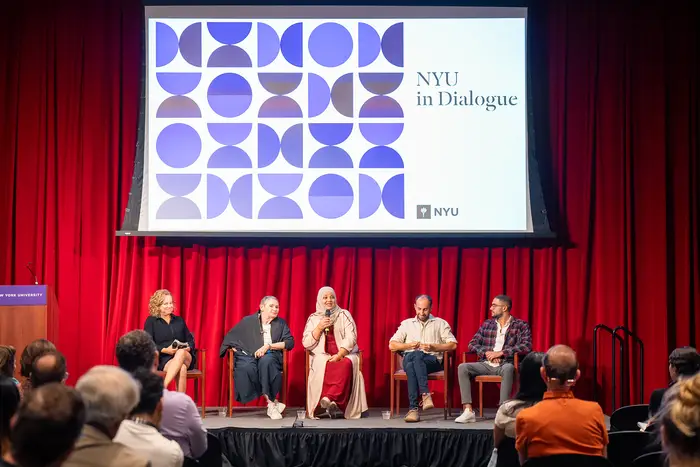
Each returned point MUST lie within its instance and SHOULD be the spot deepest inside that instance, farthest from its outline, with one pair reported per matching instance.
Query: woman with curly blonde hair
(173, 340)
(680, 423)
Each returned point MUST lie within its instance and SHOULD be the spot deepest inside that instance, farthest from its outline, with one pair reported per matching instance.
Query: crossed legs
(177, 368)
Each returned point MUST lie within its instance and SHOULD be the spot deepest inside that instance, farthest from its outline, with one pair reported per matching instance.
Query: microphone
(328, 315)
(28, 265)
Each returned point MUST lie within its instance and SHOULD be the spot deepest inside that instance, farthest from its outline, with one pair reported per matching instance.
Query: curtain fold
(616, 98)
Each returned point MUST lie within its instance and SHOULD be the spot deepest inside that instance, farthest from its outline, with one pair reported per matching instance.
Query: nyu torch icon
(423, 211)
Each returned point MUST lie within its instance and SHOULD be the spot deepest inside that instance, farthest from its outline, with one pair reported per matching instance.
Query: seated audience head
(680, 423)
(7, 361)
(501, 306)
(47, 425)
(33, 351)
(161, 303)
(9, 403)
(683, 362)
(269, 308)
(135, 350)
(560, 368)
(531, 386)
(150, 404)
(110, 394)
(48, 368)
(423, 305)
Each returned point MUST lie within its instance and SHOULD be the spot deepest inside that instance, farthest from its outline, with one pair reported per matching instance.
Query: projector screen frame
(538, 216)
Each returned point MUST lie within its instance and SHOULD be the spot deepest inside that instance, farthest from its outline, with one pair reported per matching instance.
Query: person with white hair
(109, 394)
(258, 341)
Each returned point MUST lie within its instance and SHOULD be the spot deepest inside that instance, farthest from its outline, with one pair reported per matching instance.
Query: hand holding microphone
(325, 323)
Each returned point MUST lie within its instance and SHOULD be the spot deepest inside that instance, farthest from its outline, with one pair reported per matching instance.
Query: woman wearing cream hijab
(336, 387)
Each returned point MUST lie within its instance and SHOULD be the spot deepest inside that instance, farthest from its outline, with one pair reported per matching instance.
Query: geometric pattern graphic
(263, 119)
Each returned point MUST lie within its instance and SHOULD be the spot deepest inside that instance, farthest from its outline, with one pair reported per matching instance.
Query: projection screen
(326, 121)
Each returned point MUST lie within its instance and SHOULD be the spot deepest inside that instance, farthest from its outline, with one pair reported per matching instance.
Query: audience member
(9, 402)
(110, 394)
(682, 363)
(680, 423)
(560, 424)
(48, 368)
(7, 362)
(140, 431)
(30, 353)
(181, 421)
(531, 389)
(47, 425)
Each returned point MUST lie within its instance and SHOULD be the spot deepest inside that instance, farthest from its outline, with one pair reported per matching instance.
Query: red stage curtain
(622, 123)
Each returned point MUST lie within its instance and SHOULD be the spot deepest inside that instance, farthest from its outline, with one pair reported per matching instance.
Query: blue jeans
(417, 366)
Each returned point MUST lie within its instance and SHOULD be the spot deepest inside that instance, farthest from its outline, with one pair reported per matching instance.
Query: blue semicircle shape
(280, 208)
(330, 157)
(229, 157)
(370, 197)
(381, 157)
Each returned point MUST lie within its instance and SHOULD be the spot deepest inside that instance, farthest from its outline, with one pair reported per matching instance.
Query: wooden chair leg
(391, 395)
(204, 396)
(446, 402)
(398, 396)
(230, 394)
(481, 399)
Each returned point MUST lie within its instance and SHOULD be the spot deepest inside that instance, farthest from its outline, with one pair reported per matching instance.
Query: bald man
(49, 368)
(560, 424)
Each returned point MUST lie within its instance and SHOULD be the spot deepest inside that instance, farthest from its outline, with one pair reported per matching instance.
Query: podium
(27, 313)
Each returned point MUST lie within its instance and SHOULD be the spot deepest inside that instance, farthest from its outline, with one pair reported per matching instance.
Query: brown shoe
(427, 403)
(412, 416)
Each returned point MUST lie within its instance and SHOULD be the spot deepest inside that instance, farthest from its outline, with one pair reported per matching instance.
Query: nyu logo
(426, 211)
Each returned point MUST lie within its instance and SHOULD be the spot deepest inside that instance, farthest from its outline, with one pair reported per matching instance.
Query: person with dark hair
(9, 403)
(680, 423)
(683, 362)
(31, 352)
(7, 362)
(140, 430)
(48, 368)
(531, 389)
(495, 344)
(422, 341)
(560, 424)
(180, 420)
(47, 425)
(136, 350)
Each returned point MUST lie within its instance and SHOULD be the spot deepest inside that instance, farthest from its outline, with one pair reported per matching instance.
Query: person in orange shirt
(560, 424)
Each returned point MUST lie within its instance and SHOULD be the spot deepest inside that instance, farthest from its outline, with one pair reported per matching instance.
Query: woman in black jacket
(173, 340)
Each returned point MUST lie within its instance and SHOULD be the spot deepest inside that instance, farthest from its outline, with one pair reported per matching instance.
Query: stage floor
(251, 439)
(257, 418)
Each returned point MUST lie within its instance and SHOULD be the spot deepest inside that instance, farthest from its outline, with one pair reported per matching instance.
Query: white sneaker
(280, 406)
(272, 411)
(468, 416)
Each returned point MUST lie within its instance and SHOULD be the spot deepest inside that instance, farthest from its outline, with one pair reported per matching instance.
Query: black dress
(163, 334)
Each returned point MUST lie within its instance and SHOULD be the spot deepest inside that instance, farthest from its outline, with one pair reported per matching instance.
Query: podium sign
(27, 313)
(23, 295)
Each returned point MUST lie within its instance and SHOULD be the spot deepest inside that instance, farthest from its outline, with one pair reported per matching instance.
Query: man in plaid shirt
(495, 343)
